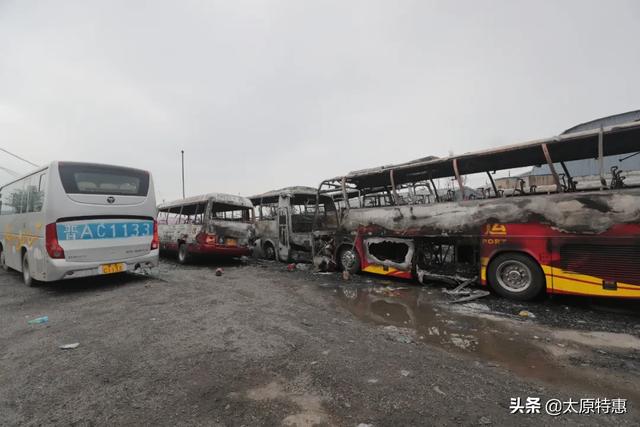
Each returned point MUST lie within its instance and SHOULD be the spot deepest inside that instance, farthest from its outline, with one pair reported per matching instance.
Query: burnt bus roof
(272, 196)
(222, 198)
(617, 139)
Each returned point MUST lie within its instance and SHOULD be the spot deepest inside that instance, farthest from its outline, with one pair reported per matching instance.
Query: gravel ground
(263, 346)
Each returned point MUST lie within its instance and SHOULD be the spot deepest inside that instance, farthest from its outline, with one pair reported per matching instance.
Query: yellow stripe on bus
(575, 283)
(378, 269)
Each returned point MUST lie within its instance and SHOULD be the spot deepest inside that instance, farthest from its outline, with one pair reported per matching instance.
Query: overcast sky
(267, 94)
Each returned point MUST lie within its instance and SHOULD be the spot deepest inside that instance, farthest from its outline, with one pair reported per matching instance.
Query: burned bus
(210, 224)
(568, 236)
(284, 220)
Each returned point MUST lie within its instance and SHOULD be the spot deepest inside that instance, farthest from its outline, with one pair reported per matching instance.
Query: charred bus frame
(569, 238)
(284, 218)
(215, 224)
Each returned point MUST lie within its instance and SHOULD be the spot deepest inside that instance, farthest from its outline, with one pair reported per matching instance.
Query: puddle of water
(475, 331)
(600, 339)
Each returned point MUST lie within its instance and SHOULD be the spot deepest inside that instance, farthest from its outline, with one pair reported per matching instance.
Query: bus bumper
(60, 269)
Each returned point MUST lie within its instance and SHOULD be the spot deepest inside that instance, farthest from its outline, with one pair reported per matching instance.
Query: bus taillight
(155, 243)
(51, 242)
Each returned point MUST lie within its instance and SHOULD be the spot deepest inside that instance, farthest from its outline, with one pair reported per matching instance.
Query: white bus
(69, 220)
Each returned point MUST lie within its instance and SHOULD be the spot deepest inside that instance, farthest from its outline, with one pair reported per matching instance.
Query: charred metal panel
(391, 252)
(587, 213)
(241, 231)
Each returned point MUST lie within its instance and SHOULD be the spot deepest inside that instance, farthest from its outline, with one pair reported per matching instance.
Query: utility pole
(182, 153)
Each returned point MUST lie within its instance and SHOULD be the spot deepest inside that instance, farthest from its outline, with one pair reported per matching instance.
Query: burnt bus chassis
(447, 240)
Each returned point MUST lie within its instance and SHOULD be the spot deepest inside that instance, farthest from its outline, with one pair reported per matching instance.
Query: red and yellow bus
(557, 233)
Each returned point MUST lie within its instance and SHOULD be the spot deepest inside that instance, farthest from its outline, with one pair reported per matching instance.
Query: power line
(10, 171)
(18, 157)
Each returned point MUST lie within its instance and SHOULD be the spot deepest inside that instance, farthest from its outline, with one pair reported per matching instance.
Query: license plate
(113, 268)
(232, 242)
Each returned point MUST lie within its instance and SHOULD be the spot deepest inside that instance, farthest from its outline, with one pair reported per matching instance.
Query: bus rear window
(82, 178)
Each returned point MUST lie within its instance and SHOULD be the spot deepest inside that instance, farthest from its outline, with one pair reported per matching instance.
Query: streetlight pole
(182, 153)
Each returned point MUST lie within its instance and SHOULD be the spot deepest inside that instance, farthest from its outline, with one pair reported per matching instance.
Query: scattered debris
(372, 381)
(473, 296)
(364, 425)
(405, 373)
(291, 267)
(37, 320)
(525, 313)
(218, 272)
(460, 289)
(325, 353)
(437, 390)
(315, 362)
(305, 322)
(403, 335)
(302, 267)
(69, 346)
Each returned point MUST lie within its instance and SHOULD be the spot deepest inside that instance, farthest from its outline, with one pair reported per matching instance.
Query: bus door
(283, 234)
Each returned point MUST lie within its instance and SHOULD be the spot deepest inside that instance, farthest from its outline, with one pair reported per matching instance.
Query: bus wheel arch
(348, 258)
(269, 250)
(516, 275)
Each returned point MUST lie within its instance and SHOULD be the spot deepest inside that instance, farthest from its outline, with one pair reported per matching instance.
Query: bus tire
(183, 253)
(516, 276)
(348, 259)
(27, 278)
(3, 260)
(269, 251)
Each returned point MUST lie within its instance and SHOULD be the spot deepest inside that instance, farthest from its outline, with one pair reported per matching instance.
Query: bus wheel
(183, 253)
(516, 276)
(348, 260)
(269, 251)
(26, 272)
(3, 260)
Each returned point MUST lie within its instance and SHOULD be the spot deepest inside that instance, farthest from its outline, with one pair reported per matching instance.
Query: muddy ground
(263, 346)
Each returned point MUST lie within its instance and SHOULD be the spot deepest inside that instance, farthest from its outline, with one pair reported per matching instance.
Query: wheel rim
(3, 264)
(348, 259)
(514, 276)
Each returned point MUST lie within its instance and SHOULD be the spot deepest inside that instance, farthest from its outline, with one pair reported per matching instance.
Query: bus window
(163, 217)
(173, 215)
(12, 196)
(192, 214)
(229, 213)
(268, 211)
(102, 179)
(36, 196)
